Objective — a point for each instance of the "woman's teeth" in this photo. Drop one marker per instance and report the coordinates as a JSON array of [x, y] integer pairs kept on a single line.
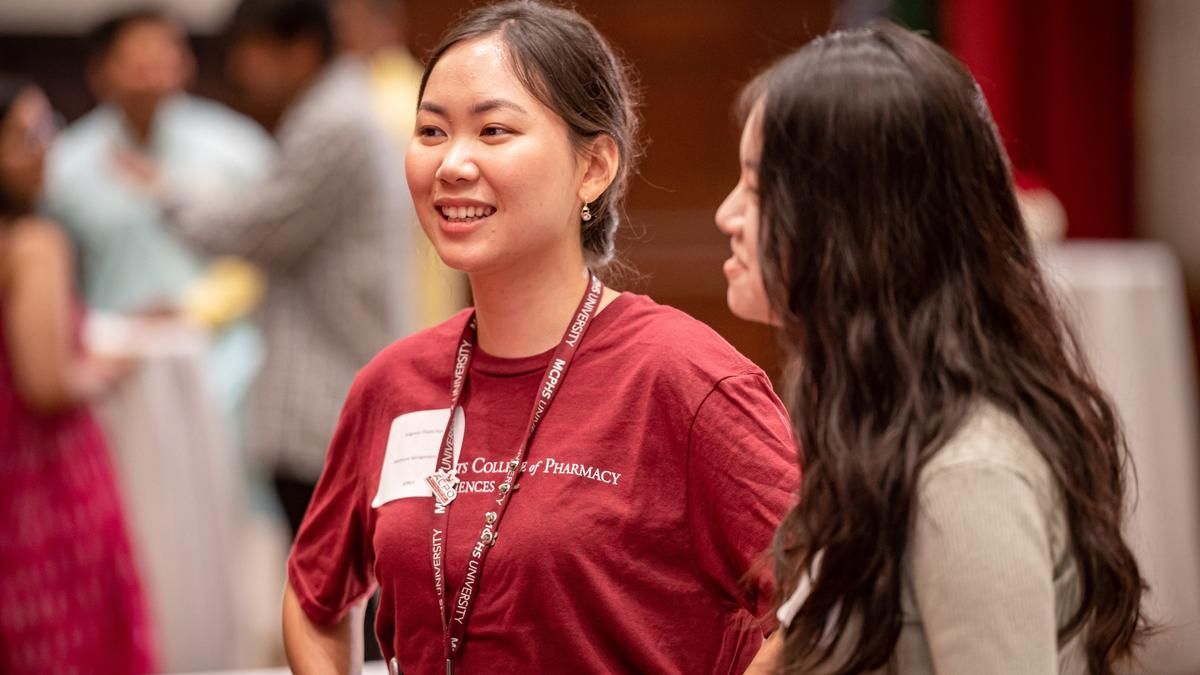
[[462, 213]]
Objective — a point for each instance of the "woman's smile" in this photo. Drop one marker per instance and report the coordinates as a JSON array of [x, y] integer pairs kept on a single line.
[[460, 216]]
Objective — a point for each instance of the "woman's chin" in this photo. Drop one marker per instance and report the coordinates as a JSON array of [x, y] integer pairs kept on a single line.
[[459, 257], [748, 308]]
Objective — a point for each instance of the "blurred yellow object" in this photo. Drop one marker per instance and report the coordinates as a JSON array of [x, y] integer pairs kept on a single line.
[[230, 289]]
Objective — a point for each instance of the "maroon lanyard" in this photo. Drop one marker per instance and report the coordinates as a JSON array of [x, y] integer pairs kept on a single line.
[[444, 482]]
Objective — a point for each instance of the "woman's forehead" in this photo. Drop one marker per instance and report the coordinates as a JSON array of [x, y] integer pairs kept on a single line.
[[480, 63], [475, 77], [751, 139]]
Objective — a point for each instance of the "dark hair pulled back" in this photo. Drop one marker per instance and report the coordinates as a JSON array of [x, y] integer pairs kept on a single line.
[[571, 69]]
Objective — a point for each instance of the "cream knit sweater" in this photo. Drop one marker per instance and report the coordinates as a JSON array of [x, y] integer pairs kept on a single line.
[[990, 577]]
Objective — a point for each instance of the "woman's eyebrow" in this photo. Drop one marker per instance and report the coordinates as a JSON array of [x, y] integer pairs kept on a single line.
[[434, 108], [477, 109], [494, 104]]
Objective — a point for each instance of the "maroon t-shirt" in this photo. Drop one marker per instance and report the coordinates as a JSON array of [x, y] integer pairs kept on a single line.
[[636, 540]]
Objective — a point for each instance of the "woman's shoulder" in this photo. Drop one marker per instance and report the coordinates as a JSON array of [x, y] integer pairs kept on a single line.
[[992, 444], [663, 338], [35, 239], [32, 242], [993, 436]]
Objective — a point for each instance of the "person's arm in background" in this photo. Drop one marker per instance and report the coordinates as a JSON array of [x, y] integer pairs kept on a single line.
[[48, 372], [318, 649], [278, 220]]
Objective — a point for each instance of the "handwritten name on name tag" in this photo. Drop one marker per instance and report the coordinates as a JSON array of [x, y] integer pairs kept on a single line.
[[411, 456]]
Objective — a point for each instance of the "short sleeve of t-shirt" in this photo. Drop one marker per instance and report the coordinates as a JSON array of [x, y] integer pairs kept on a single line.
[[329, 566], [742, 479]]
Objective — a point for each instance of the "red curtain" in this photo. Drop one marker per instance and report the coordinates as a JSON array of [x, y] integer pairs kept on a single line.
[[1058, 75]]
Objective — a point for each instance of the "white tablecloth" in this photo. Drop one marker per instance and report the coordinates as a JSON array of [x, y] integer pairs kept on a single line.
[[202, 560], [1127, 302]]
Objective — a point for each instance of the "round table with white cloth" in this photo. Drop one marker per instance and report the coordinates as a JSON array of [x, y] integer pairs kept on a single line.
[[1127, 302], [211, 570]]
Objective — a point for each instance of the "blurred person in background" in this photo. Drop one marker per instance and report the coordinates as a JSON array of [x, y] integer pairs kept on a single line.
[[326, 224], [373, 31], [964, 474], [70, 600], [129, 262]]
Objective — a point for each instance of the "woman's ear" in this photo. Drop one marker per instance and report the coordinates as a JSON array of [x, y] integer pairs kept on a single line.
[[602, 159]]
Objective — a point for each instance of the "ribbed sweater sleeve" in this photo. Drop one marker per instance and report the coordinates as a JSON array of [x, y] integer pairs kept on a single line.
[[982, 571]]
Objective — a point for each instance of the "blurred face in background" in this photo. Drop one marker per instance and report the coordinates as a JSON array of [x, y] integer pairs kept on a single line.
[[738, 218], [148, 61], [25, 134], [364, 26], [269, 72]]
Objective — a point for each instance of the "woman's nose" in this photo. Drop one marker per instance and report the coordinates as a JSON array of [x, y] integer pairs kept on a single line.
[[726, 214], [458, 164]]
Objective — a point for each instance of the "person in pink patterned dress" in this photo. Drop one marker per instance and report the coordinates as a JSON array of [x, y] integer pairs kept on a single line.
[[70, 601]]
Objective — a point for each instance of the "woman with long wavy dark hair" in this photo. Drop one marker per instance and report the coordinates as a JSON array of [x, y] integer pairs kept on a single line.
[[964, 475]]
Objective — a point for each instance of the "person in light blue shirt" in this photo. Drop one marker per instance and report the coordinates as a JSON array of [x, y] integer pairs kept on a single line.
[[129, 260]]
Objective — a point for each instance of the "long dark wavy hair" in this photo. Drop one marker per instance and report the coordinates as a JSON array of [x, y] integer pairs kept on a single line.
[[894, 255]]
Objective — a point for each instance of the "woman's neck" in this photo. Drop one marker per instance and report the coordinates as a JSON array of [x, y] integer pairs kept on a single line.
[[526, 312]]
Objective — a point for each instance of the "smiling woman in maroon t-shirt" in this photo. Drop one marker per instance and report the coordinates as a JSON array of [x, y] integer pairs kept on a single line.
[[612, 472]]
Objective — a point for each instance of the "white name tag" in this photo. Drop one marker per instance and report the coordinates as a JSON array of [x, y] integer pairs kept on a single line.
[[412, 451]]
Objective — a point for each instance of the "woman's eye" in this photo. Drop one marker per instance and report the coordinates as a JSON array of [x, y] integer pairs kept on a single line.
[[494, 131], [429, 132]]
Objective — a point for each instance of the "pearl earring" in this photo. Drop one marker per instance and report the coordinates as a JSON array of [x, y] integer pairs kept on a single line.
[[586, 213]]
